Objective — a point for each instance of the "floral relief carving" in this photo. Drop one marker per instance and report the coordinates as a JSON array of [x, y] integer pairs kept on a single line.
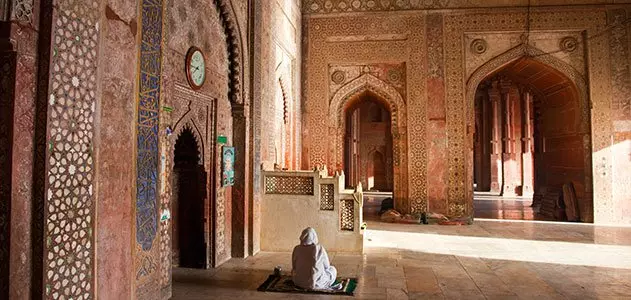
[[478, 46], [568, 44]]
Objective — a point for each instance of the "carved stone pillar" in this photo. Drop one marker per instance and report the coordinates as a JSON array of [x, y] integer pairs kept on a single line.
[[240, 205], [496, 143], [21, 241], [478, 142], [482, 145], [509, 159], [527, 144]]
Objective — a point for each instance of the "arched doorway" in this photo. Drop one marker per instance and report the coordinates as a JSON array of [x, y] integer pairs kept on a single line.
[[530, 157], [343, 101], [368, 144], [189, 193], [368, 148]]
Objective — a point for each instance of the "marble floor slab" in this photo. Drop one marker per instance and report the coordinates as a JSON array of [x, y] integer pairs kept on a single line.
[[492, 259]]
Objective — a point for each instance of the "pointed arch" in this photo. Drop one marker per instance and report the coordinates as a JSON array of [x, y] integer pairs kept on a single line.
[[189, 123], [572, 75], [367, 82], [498, 62], [395, 104]]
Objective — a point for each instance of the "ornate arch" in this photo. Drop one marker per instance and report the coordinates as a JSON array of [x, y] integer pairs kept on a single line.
[[533, 53], [396, 106], [188, 123], [232, 30], [496, 63], [367, 82]]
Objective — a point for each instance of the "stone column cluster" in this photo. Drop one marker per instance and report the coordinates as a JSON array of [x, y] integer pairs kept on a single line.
[[504, 138]]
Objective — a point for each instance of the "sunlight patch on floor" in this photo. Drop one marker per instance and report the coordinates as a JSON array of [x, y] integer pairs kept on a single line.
[[557, 252]]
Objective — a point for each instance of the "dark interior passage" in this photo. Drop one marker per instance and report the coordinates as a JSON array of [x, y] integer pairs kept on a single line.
[[189, 241]]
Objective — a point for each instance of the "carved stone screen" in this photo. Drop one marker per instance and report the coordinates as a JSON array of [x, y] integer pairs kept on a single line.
[[291, 185], [327, 197], [69, 205], [347, 214]]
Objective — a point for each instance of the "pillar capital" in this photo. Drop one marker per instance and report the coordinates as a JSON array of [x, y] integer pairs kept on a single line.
[[238, 110]]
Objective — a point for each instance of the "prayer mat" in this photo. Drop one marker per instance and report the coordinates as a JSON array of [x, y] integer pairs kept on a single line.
[[284, 284]]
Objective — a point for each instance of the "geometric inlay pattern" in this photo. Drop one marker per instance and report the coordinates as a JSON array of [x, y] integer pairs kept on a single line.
[[69, 210], [347, 214], [147, 131], [327, 198], [289, 185]]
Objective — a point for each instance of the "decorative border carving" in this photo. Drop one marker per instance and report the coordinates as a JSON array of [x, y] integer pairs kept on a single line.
[[235, 49], [148, 158], [338, 6], [22, 11]]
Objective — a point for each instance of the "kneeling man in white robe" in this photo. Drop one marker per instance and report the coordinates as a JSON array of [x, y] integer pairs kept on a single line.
[[310, 264]]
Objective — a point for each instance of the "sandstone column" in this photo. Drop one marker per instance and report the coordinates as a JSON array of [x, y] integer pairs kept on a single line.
[[239, 190], [496, 143], [508, 137], [527, 144]]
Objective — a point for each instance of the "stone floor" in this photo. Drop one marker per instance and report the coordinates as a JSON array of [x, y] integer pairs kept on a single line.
[[495, 207], [491, 259]]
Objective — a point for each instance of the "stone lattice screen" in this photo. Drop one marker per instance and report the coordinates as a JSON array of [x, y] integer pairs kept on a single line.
[[289, 185], [347, 214], [327, 197]]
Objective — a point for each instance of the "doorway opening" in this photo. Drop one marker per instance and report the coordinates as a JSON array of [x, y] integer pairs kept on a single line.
[[529, 157], [368, 149], [189, 195]]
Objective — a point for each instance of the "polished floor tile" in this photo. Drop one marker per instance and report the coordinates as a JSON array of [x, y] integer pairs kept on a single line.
[[491, 259]]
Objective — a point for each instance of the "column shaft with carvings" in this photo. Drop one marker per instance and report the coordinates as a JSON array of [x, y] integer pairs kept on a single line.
[[510, 167], [21, 241], [483, 140], [527, 144], [240, 205], [496, 135]]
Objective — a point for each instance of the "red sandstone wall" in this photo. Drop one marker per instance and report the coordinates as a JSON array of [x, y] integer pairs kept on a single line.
[[620, 53], [18, 47], [280, 58], [115, 144], [561, 159]]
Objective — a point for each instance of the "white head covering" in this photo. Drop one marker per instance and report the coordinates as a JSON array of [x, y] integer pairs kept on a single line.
[[310, 263], [308, 237]]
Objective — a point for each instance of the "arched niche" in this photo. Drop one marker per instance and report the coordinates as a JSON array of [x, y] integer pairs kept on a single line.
[[394, 103]]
